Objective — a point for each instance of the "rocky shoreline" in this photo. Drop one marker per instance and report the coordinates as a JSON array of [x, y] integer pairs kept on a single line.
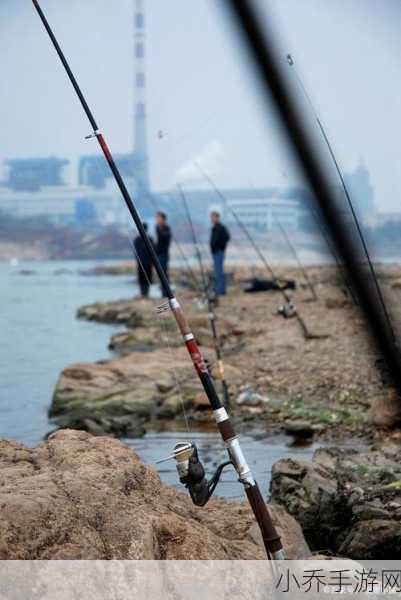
[[308, 386], [78, 496], [324, 386]]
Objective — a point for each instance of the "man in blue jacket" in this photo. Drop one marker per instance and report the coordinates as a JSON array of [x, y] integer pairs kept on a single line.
[[219, 238]]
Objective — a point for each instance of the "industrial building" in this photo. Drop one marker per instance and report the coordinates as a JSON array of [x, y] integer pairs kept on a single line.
[[36, 187]]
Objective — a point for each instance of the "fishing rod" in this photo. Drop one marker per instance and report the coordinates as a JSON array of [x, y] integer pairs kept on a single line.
[[262, 53], [181, 252], [210, 304], [189, 467], [297, 259], [289, 309], [291, 63], [347, 289]]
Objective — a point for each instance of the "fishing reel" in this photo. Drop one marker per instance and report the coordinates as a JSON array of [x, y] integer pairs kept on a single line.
[[287, 310], [192, 473]]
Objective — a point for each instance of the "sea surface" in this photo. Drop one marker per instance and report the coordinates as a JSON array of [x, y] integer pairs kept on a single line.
[[40, 336]]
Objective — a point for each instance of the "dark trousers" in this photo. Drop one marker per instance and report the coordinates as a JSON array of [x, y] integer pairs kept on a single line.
[[144, 278], [219, 276], [164, 258]]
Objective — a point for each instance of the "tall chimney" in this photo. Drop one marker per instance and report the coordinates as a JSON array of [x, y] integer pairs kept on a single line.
[[140, 138]]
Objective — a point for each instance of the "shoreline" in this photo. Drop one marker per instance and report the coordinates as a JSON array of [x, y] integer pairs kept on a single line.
[[288, 380]]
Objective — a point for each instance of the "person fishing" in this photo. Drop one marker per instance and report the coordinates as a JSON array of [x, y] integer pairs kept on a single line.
[[219, 238], [163, 240], [144, 264]]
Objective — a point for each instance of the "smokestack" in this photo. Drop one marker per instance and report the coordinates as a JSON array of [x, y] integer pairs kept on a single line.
[[140, 138]]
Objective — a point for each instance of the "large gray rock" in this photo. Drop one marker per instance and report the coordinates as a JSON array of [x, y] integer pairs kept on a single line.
[[346, 501]]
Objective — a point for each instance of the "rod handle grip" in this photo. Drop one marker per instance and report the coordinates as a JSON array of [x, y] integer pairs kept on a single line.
[[271, 538]]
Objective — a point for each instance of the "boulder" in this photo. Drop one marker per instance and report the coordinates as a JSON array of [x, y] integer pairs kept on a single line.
[[77, 496], [126, 312], [300, 429], [115, 426], [347, 501], [251, 398], [125, 386], [141, 339]]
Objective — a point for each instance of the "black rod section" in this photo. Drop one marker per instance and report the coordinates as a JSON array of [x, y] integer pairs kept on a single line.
[[127, 198], [262, 52], [271, 538]]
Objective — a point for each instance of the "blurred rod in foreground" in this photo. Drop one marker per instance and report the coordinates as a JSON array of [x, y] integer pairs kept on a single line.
[[258, 39]]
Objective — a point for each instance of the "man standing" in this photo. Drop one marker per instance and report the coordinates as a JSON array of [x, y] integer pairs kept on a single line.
[[163, 235], [144, 264], [219, 239]]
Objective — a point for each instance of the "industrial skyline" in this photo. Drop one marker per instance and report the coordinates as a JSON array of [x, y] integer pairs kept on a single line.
[[94, 191]]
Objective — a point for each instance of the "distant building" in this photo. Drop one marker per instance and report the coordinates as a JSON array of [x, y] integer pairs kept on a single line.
[[66, 205], [30, 174], [94, 171], [262, 210], [361, 192], [264, 214]]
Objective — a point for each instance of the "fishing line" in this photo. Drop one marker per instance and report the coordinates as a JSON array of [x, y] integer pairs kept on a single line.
[[290, 307], [210, 303], [297, 259], [293, 252], [327, 238], [325, 235], [291, 63]]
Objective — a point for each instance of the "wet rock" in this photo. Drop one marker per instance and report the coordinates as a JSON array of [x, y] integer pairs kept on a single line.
[[77, 496], [172, 406], [300, 429], [124, 312], [251, 398], [121, 387], [119, 269], [339, 495], [134, 340], [26, 272], [373, 539], [115, 426]]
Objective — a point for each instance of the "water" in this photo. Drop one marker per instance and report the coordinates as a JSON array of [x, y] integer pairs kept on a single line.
[[41, 336], [261, 450]]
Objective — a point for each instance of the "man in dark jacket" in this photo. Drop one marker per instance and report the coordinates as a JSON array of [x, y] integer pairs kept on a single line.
[[144, 264], [219, 238], [163, 234]]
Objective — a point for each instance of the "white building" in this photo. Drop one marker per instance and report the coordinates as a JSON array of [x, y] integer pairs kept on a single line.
[[262, 214], [60, 204]]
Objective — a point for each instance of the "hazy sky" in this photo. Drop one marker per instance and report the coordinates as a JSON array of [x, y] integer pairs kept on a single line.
[[201, 89]]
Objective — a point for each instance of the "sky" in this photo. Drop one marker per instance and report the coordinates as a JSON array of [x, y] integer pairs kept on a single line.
[[202, 91]]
